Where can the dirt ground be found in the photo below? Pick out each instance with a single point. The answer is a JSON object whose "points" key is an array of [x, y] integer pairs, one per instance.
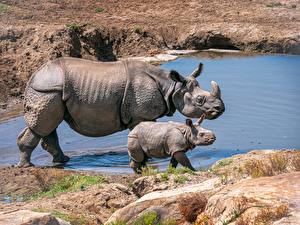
{"points": [[96, 203], [32, 32]]}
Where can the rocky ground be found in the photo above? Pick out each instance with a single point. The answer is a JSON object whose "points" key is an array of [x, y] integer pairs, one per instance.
{"points": [[261, 187], [32, 32]]}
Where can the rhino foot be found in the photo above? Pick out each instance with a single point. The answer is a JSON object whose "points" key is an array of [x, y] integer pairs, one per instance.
{"points": [[25, 164], [60, 160]]}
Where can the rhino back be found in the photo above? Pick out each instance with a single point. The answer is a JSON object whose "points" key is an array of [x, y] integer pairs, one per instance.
{"points": [[153, 136], [93, 92]]}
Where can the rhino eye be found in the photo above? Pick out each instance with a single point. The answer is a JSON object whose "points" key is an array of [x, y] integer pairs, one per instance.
{"points": [[200, 100]]}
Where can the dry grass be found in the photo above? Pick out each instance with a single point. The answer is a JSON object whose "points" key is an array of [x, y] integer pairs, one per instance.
{"points": [[256, 168], [191, 206], [278, 162], [271, 214], [203, 219], [296, 162], [275, 164]]}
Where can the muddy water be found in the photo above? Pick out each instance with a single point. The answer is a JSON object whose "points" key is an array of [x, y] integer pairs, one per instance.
{"points": [[262, 97]]}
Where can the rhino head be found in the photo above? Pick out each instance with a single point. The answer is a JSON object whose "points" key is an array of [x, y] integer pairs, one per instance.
{"points": [[192, 101], [198, 135]]}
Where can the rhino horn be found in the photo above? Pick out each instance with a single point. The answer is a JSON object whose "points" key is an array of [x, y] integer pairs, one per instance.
{"points": [[199, 121], [216, 92], [197, 71]]}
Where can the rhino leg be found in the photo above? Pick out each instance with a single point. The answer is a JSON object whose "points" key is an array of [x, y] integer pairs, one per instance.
{"points": [[173, 162], [136, 154], [51, 144], [27, 141], [43, 112]]}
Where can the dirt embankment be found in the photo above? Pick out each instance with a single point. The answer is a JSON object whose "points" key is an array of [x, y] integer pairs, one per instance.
{"points": [[33, 32]]}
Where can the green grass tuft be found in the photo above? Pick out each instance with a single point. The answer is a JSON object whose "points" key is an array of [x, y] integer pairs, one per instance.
{"points": [[180, 179], [274, 4], [70, 183], [180, 170], [74, 26], [147, 218], [99, 10], [149, 171], [4, 8]]}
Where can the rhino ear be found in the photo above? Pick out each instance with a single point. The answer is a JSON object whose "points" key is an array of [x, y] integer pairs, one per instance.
{"points": [[189, 122], [176, 76]]}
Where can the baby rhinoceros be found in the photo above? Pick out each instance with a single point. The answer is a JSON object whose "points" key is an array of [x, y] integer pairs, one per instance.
{"points": [[166, 139]]}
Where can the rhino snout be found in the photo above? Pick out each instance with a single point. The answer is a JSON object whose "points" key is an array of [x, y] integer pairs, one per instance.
{"points": [[209, 138]]}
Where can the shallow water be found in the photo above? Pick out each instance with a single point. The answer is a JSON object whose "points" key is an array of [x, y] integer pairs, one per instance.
{"points": [[262, 99]]}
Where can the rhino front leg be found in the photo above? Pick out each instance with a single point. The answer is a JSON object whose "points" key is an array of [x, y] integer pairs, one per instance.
{"points": [[173, 162], [183, 160], [27, 142], [51, 144]]}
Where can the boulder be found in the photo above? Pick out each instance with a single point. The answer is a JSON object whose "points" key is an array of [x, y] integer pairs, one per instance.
{"points": [[27, 217], [181, 204], [265, 200]]}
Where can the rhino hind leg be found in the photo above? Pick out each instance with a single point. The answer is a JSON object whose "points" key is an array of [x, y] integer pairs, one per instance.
{"points": [[137, 156], [51, 144], [43, 112], [27, 142]]}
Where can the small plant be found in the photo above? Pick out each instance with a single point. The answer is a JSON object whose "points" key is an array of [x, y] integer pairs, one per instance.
{"points": [[138, 29], [180, 170], [4, 8], [149, 171], [180, 179], [164, 177], [99, 10], [256, 168], [278, 163], [296, 162], [274, 4], [147, 218], [224, 162], [74, 26], [118, 222], [203, 219]]}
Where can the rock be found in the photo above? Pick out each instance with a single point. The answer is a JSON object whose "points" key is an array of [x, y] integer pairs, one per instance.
{"points": [[181, 52], [168, 204], [27, 217], [257, 201], [155, 58]]}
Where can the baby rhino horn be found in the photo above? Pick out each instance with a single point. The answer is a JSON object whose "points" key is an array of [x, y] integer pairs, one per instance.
{"points": [[199, 121]]}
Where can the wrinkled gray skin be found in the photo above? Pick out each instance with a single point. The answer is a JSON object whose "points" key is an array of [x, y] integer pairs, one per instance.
{"points": [[165, 139], [101, 98]]}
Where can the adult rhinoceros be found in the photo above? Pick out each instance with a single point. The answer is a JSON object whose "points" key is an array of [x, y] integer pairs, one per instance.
{"points": [[98, 99]]}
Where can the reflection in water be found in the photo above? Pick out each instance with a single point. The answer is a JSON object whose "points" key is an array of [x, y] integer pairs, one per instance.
{"points": [[262, 99]]}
